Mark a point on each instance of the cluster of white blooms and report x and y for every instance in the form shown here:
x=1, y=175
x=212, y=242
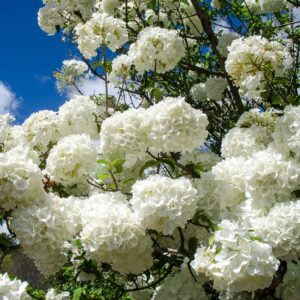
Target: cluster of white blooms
x=77, y=116
x=245, y=141
x=20, y=182
x=171, y=125
x=270, y=178
x=181, y=285
x=217, y=198
x=252, y=59
x=111, y=233
x=41, y=130
x=56, y=14
x=163, y=203
x=289, y=289
x=120, y=70
x=43, y=228
x=287, y=132
x=155, y=17
x=207, y=159
x=281, y=229
x=51, y=295
x=78, y=66
x=12, y=289
x=72, y=160
x=157, y=49
x=224, y=41
x=265, y=6
x=212, y=88
x=5, y=121
x=252, y=133
x=236, y=260
x=101, y=29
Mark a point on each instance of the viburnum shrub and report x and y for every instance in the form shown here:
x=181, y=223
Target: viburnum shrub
x=184, y=183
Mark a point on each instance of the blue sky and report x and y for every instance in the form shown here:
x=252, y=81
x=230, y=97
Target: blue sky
x=28, y=57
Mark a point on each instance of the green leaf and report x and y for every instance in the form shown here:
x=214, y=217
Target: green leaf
x=77, y=294
x=103, y=176
x=198, y=169
x=103, y=162
x=211, y=240
x=170, y=162
x=148, y=164
x=118, y=165
x=219, y=249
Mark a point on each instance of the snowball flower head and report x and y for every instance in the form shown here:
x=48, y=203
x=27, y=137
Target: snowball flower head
x=281, y=229
x=12, y=289
x=236, y=261
x=265, y=6
x=43, y=228
x=101, y=29
x=157, y=49
x=163, y=203
x=111, y=233
x=20, y=182
x=77, y=116
x=72, y=160
x=250, y=61
x=287, y=132
x=41, y=130
x=51, y=295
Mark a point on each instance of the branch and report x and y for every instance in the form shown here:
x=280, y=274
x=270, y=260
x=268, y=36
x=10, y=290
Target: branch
x=207, y=27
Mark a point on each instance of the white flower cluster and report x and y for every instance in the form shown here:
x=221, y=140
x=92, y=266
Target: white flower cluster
x=78, y=66
x=20, y=182
x=287, y=132
x=5, y=121
x=171, y=125
x=157, y=49
x=72, y=160
x=224, y=41
x=181, y=285
x=162, y=203
x=265, y=6
x=41, y=130
x=252, y=59
x=236, y=261
x=77, y=116
x=112, y=233
x=64, y=15
x=101, y=29
x=51, y=295
x=252, y=134
x=281, y=229
x=12, y=289
x=120, y=70
x=43, y=228
x=212, y=88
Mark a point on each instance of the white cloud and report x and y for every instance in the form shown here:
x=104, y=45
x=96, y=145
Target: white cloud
x=9, y=102
x=95, y=86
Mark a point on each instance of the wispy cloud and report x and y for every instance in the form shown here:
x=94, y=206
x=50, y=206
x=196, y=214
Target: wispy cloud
x=96, y=86
x=9, y=102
